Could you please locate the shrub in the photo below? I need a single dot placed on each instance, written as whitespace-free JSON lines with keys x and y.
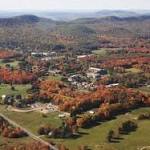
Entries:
{"x":127,"y":126}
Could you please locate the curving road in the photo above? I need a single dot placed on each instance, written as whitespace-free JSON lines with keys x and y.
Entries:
{"x":33,"y":136}
{"x":23,"y":111}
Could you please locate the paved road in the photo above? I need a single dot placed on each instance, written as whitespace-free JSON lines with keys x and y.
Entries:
{"x":33,"y":136}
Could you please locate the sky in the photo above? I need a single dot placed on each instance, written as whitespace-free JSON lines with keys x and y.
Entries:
{"x":73,"y":4}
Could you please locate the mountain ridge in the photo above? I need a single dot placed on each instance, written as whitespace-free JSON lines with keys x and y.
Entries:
{"x":21,"y":20}
{"x":32,"y":19}
{"x":72,"y":15}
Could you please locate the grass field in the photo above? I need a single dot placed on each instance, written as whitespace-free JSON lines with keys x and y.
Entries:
{"x":13,"y":63}
{"x":5,"y":89}
{"x":32,"y":120}
{"x":94,"y":137}
{"x":56,"y":77}
{"x":101,"y":52}
{"x":133,"y":70}
{"x":145,"y":89}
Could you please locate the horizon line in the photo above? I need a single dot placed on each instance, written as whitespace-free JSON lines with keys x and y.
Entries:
{"x":70,"y":10}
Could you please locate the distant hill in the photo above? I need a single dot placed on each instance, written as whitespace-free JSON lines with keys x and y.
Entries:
{"x":33,"y":32}
{"x":76,"y":30}
{"x":19,"y":20}
{"x":68,"y":16}
{"x":111,"y":19}
{"x":116,"y":13}
{"x":22,"y":20}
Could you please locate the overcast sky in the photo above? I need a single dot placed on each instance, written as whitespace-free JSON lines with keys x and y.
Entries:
{"x":73,"y":4}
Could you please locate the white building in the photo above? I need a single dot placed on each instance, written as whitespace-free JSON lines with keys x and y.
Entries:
{"x":96,"y":72}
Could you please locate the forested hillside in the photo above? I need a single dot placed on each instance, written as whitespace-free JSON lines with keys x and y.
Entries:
{"x":30,"y":32}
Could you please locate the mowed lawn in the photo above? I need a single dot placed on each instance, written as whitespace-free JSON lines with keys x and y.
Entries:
{"x":95,"y":137}
{"x":5,"y":89}
{"x":100,"y":52}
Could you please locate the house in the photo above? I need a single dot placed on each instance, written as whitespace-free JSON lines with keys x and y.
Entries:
{"x":46,"y":58}
{"x":85,"y":57}
{"x":53,"y":54}
{"x":91,"y":112}
{"x":96,"y":73}
{"x":76,"y":78}
{"x":8,"y":99}
{"x":63,"y":115}
{"x":54,"y":71}
{"x":112,"y":85}
{"x":39,"y":54}
{"x":3,"y":97}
